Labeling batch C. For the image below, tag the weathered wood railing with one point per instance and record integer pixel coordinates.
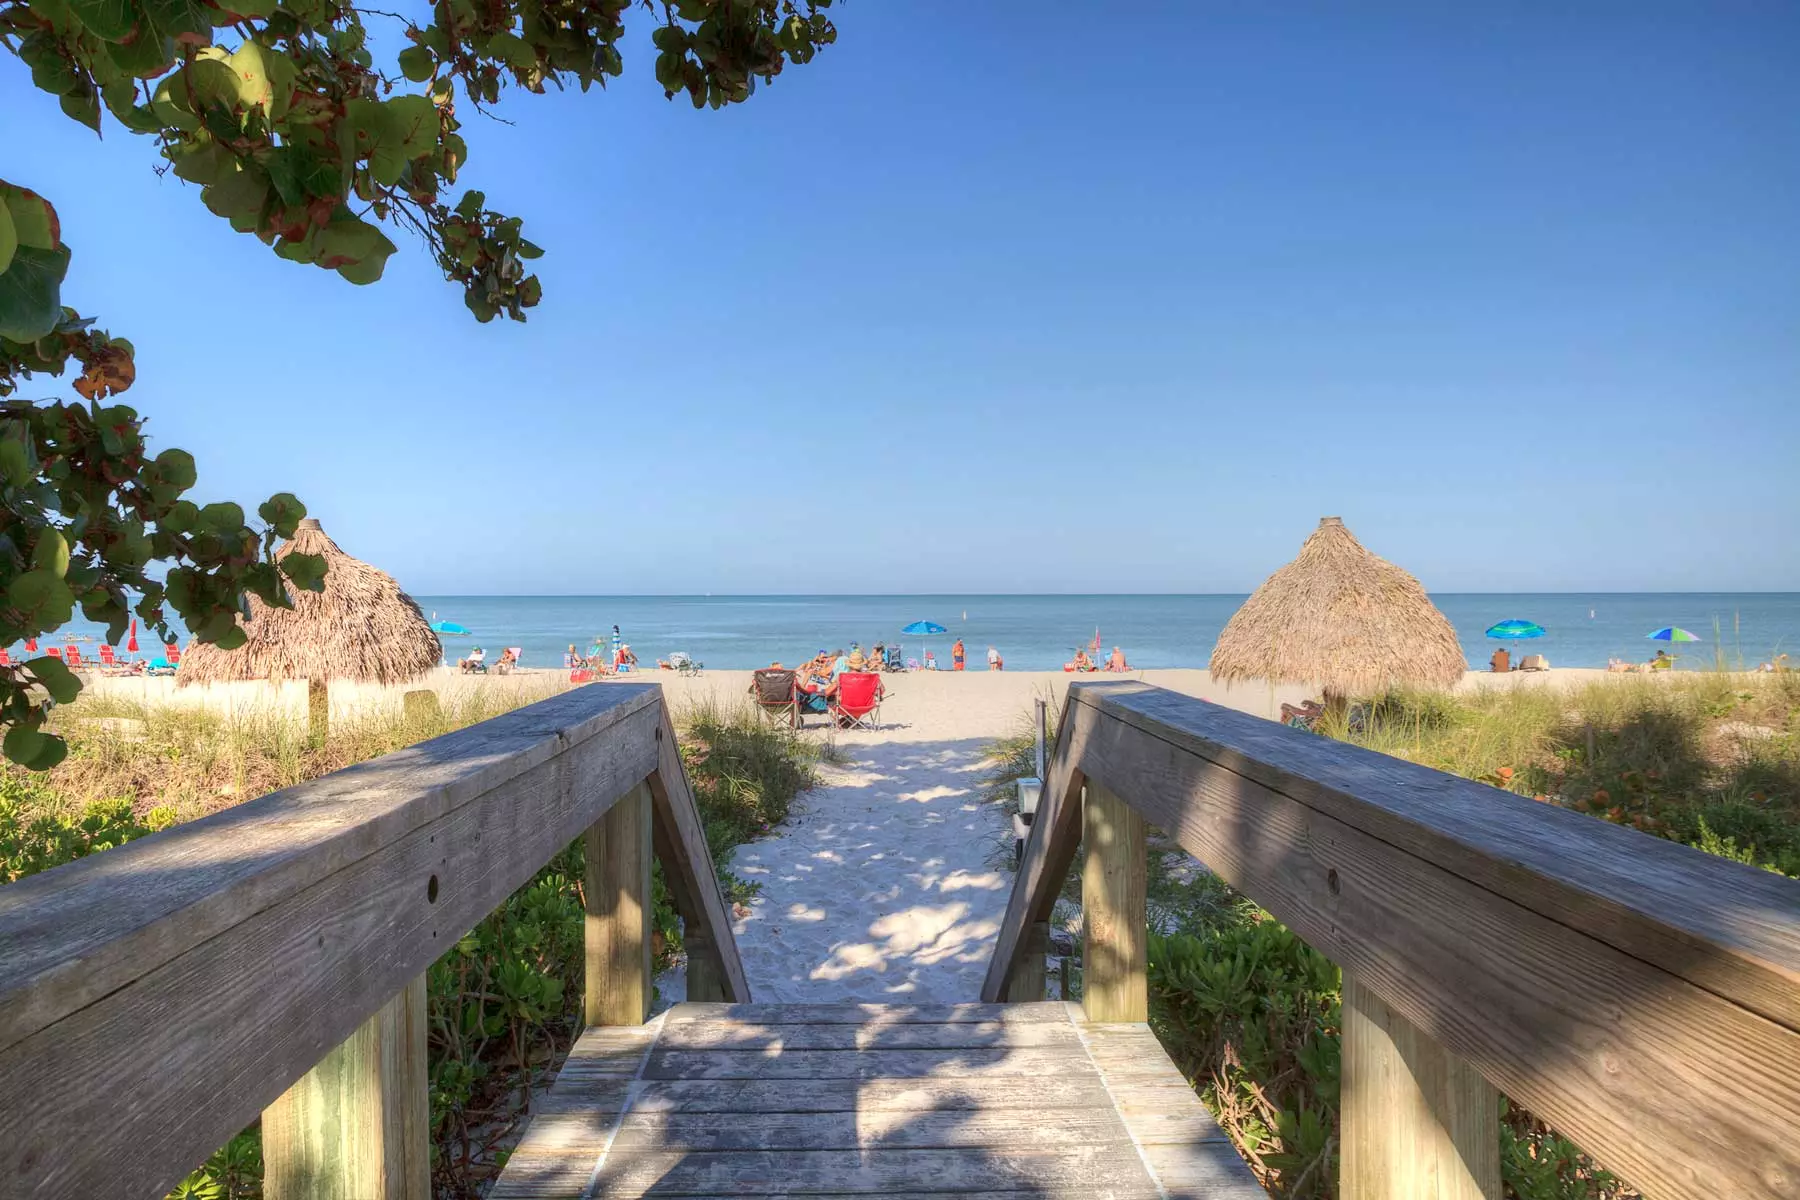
(270, 958)
(1641, 996)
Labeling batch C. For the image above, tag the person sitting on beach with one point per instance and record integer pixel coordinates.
(1662, 662)
(475, 663)
(1616, 665)
(624, 660)
(572, 659)
(930, 661)
(1305, 715)
(1117, 661)
(857, 661)
(1081, 662)
(811, 675)
(1502, 661)
(509, 660)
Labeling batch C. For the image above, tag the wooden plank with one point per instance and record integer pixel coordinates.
(1049, 1170)
(693, 880)
(358, 1125)
(950, 1035)
(255, 959)
(1679, 1090)
(616, 887)
(1417, 1122)
(1049, 853)
(1115, 925)
(1202, 1171)
(1059, 1092)
(865, 1128)
(856, 1014)
(860, 1064)
(1720, 925)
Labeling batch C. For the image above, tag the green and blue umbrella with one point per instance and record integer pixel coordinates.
(1670, 633)
(1511, 630)
(449, 627)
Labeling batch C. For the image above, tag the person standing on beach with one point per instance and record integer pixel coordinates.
(956, 655)
(993, 659)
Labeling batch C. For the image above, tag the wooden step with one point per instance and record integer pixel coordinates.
(897, 1101)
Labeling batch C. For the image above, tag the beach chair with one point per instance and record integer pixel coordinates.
(5, 659)
(72, 656)
(776, 696)
(172, 652)
(1534, 662)
(857, 704)
(894, 661)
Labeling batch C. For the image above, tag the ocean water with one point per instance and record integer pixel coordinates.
(1041, 632)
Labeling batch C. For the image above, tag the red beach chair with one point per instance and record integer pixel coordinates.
(172, 652)
(72, 656)
(857, 704)
(5, 659)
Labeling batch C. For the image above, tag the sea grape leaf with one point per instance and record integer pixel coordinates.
(56, 677)
(108, 20)
(33, 748)
(31, 292)
(306, 570)
(417, 63)
(282, 512)
(43, 599)
(83, 105)
(51, 553)
(9, 238)
(33, 218)
(265, 78)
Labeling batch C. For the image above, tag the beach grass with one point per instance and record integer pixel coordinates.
(504, 1002)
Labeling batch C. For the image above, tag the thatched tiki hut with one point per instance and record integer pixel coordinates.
(360, 627)
(1340, 619)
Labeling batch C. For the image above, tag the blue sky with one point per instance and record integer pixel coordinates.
(1024, 297)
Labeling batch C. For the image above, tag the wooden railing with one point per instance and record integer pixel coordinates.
(270, 959)
(1641, 996)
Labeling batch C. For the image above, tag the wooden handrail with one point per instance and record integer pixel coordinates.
(1640, 995)
(154, 999)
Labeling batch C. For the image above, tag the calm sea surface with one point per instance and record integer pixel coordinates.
(1040, 632)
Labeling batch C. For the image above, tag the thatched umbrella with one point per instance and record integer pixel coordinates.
(361, 626)
(1341, 619)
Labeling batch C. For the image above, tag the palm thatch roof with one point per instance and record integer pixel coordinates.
(1341, 619)
(360, 627)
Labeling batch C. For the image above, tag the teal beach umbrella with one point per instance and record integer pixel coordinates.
(1510, 630)
(923, 629)
(1669, 633)
(451, 628)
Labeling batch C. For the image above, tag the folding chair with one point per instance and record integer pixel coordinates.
(776, 696)
(857, 704)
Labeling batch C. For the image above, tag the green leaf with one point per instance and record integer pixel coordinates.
(469, 207)
(33, 218)
(83, 106)
(282, 513)
(31, 291)
(417, 63)
(307, 571)
(392, 133)
(176, 468)
(108, 20)
(223, 517)
(15, 463)
(43, 599)
(265, 78)
(530, 249)
(355, 249)
(173, 18)
(512, 50)
(51, 553)
(56, 677)
(9, 238)
(34, 750)
(144, 57)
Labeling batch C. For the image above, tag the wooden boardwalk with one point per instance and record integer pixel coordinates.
(973, 1100)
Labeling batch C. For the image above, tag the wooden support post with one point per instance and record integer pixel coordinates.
(705, 982)
(1029, 980)
(1115, 923)
(617, 887)
(358, 1125)
(1418, 1123)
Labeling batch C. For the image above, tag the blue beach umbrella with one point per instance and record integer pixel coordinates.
(1669, 633)
(1511, 630)
(449, 627)
(923, 629)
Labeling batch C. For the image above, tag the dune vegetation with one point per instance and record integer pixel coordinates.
(1250, 1012)
(504, 1002)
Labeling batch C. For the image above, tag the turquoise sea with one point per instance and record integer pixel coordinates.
(1040, 632)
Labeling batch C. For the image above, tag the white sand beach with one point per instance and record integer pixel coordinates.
(890, 879)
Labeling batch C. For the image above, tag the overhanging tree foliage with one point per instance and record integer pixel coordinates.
(279, 113)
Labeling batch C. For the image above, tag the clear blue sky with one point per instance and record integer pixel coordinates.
(1015, 296)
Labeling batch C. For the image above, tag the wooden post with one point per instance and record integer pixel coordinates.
(358, 1125)
(1028, 982)
(705, 982)
(1115, 923)
(1417, 1122)
(617, 887)
(318, 709)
